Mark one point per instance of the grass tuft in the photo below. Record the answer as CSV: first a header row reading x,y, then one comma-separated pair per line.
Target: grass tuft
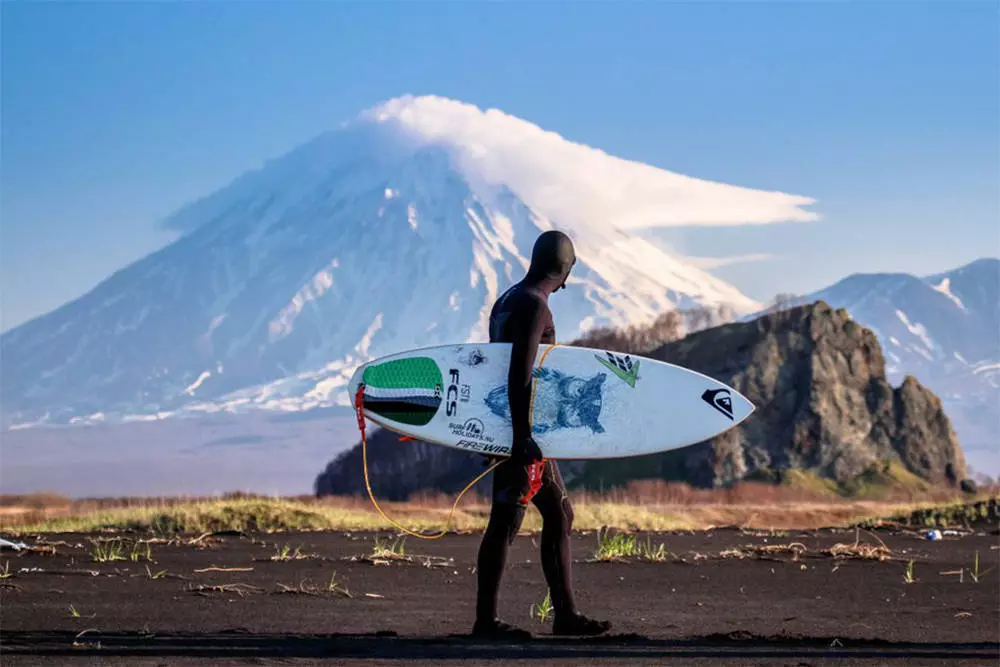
x,y
542,611
389,549
657,554
107,551
338,587
285,552
975,572
615,547
119,549
155,575
140,551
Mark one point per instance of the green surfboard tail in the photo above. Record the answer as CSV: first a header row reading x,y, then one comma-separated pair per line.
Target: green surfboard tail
x,y
407,391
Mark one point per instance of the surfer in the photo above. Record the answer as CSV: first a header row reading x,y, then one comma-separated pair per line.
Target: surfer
x,y
521,316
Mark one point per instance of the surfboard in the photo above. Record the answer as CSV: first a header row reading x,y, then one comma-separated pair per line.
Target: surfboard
x,y
588,404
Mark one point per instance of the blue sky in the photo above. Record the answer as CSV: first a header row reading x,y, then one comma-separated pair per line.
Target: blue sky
x,y
114,115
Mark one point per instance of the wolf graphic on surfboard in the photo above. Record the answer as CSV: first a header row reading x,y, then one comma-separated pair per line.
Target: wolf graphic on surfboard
x,y
561,401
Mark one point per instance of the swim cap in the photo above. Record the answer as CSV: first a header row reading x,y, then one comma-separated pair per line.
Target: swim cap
x,y
553,257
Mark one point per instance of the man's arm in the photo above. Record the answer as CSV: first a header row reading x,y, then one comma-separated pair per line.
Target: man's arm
x,y
527,325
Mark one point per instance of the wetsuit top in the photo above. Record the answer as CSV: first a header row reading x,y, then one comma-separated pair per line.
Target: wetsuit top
x,y
521,316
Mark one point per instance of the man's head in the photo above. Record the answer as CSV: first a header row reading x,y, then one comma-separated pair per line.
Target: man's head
x,y
552,259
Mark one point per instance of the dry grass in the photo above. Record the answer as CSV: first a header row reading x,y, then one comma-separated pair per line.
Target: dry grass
x,y
794,549
640,506
859,551
239,589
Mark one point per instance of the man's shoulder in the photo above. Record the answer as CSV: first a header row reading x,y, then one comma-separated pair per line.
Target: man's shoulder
x,y
525,298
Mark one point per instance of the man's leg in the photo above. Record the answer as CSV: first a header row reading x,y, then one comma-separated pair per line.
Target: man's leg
x,y
510,481
554,504
505,520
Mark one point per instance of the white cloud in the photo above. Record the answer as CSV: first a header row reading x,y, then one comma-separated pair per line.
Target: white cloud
x,y
574,184
709,263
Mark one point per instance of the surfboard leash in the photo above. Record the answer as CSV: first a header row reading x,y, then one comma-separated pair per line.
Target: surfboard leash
x,y
534,476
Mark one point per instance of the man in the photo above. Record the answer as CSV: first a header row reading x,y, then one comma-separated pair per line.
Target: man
x,y
521,317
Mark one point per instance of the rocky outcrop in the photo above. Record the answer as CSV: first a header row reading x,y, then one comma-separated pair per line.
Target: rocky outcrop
x,y
823,405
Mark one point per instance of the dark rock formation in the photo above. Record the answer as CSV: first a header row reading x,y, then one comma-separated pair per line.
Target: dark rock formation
x,y
823,405
399,469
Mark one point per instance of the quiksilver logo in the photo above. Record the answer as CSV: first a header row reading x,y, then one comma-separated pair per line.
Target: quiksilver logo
x,y
720,399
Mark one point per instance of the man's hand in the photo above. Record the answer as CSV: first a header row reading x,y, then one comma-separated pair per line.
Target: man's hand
x,y
525,451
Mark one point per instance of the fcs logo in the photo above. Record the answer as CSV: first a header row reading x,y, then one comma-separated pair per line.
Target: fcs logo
x,y
451,407
721,400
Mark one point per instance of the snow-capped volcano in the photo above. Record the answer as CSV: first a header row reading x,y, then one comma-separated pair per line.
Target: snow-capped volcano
x,y
394,231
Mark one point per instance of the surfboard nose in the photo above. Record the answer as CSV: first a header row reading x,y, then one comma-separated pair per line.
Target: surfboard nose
x,y
742,407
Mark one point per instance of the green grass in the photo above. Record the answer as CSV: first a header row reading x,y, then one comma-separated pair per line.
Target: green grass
x,y
542,611
245,515
389,548
806,480
943,515
107,551
654,554
615,546
975,572
5,571
271,515
878,482
883,480
286,552
908,575
140,551
116,549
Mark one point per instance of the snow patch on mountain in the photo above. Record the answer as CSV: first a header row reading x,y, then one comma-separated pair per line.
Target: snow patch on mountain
x,y
918,330
944,287
281,326
190,389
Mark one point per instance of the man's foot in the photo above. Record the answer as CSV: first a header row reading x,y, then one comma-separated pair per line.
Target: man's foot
x,y
578,624
497,629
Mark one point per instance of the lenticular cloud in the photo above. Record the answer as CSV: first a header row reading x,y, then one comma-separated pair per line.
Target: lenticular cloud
x,y
574,184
